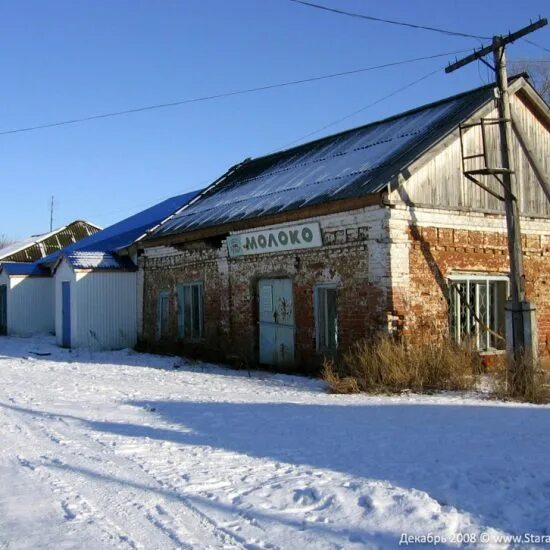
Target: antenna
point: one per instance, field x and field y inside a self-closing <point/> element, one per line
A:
<point x="51" y="214"/>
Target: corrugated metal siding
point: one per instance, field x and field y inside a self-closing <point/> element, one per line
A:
<point x="30" y="306"/>
<point x="106" y="310"/>
<point x="441" y="182"/>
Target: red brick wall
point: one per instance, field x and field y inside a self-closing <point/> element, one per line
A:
<point x="164" y="274"/>
<point x="437" y="252"/>
<point x="231" y="286"/>
<point x="419" y="308"/>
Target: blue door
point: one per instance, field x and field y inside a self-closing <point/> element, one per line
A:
<point x="276" y="317"/>
<point x="3" y="309"/>
<point x="66" y="314"/>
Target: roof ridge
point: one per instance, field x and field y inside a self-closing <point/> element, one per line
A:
<point x="414" y="110"/>
<point x="355" y="162"/>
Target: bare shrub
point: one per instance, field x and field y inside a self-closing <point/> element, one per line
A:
<point x="516" y="381"/>
<point x="337" y="383"/>
<point x="388" y="365"/>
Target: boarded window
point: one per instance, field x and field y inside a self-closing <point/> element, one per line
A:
<point x="326" y="321"/>
<point x="476" y="310"/>
<point x="190" y="311"/>
<point x="163" y="314"/>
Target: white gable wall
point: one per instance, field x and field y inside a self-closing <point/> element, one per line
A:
<point x="29" y="304"/>
<point x="103" y="308"/>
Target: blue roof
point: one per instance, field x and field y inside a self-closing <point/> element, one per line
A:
<point x="100" y="260"/>
<point x="24" y="268"/>
<point x="117" y="236"/>
<point x="350" y="164"/>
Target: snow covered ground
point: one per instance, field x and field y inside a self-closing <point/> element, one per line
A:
<point x="123" y="450"/>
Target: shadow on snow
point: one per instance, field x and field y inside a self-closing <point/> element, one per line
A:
<point x="490" y="461"/>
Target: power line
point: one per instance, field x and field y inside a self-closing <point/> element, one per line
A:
<point x="528" y="60"/>
<point x="536" y="45"/>
<point x="224" y="94"/>
<point x="364" y="108"/>
<point x="390" y="21"/>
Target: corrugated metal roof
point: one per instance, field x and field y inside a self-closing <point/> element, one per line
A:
<point x="24" y="268"/>
<point x="99" y="260"/>
<point x="104" y="244"/>
<point x="350" y="164"/>
<point x="38" y="246"/>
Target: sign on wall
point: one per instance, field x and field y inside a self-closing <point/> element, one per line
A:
<point x="293" y="237"/>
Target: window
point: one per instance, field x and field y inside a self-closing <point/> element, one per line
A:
<point x="326" y="318"/>
<point x="476" y="310"/>
<point x="163" y="313"/>
<point x="190" y="307"/>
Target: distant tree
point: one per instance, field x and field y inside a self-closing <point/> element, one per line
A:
<point x="5" y="241"/>
<point x="539" y="73"/>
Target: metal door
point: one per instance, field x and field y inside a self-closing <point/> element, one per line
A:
<point x="66" y="314"/>
<point x="276" y="322"/>
<point x="3" y="309"/>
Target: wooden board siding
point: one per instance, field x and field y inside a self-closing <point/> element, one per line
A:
<point x="440" y="182"/>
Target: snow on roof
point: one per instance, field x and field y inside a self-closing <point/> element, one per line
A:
<point x="99" y="260"/>
<point x="117" y="236"/>
<point x="17" y="246"/>
<point x="353" y="163"/>
<point x="23" y="244"/>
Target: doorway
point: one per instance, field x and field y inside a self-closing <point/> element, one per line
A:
<point x="276" y="315"/>
<point x="66" y="314"/>
<point x="3" y="309"/>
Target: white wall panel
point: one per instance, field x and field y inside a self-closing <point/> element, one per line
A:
<point x="106" y="310"/>
<point x="30" y="306"/>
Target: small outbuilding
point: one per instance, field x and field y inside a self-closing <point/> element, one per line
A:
<point x="26" y="288"/>
<point x="26" y="299"/>
<point x="95" y="282"/>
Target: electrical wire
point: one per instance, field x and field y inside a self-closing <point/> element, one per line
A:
<point x="357" y="111"/>
<point x="389" y="21"/>
<point x="224" y="94"/>
<point x="536" y="45"/>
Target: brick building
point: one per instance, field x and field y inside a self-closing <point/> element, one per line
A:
<point x="296" y="255"/>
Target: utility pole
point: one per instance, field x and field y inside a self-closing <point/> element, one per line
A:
<point x="521" y="330"/>
<point x="51" y="215"/>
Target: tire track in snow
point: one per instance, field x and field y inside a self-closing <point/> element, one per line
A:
<point x="172" y="528"/>
<point x="76" y="508"/>
<point x="140" y="455"/>
<point x="179" y="525"/>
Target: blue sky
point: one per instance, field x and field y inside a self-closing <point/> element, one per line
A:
<point x="64" y="59"/>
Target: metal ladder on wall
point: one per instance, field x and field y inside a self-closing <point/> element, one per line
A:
<point x="486" y="169"/>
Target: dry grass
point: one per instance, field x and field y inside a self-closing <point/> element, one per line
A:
<point x="387" y="365"/>
<point x="518" y="382"/>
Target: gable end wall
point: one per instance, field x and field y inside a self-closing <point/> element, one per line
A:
<point x="428" y="245"/>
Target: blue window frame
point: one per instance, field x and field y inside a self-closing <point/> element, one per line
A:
<point x="190" y="311"/>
